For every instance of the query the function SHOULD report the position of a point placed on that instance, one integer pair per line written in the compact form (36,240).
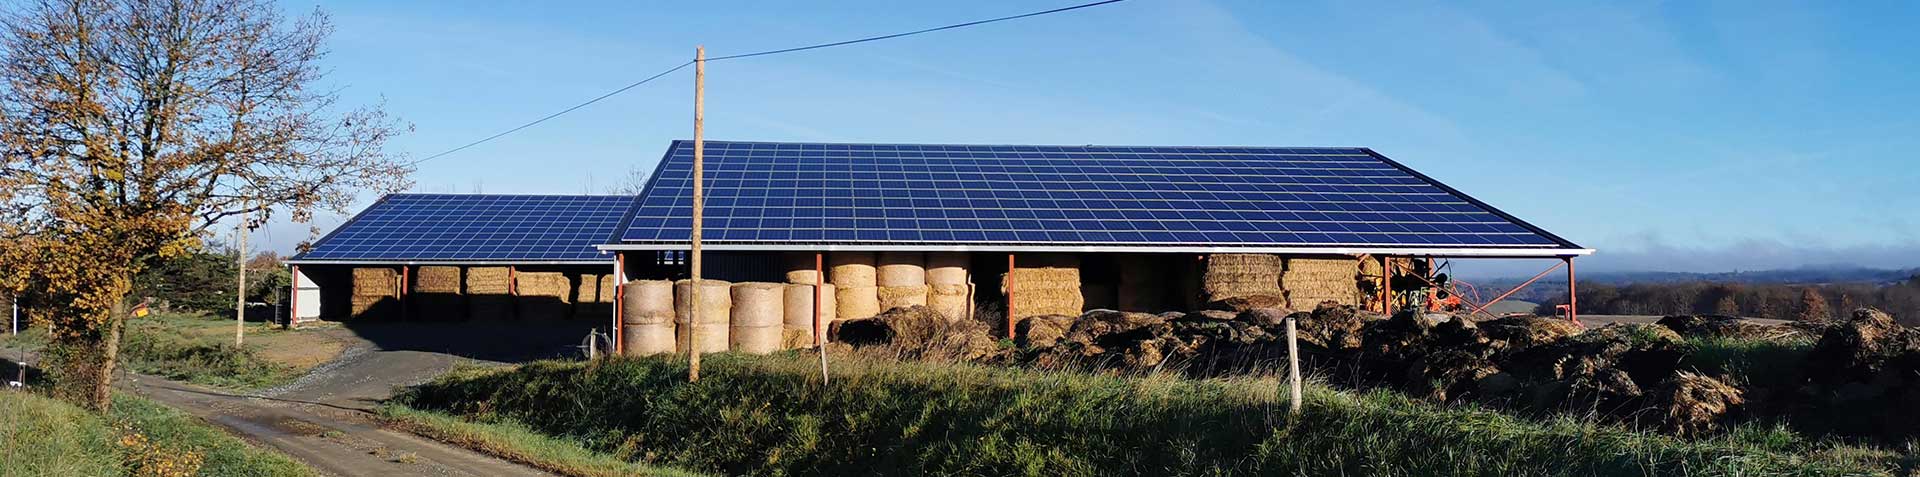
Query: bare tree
(131,127)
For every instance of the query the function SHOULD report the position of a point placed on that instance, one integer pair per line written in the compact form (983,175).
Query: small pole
(593,345)
(819,326)
(240,299)
(699,159)
(1573,299)
(1386,285)
(619,303)
(293,300)
(1293,366)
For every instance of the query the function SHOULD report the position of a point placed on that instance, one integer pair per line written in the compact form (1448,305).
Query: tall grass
(43,436)
(771,416)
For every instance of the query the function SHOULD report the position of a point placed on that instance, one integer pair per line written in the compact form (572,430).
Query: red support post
(819,286)
(1573,297)
(405,311)
(1009,286)
(1386,285)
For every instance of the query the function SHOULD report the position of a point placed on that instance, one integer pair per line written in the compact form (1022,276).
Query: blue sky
(1693,136)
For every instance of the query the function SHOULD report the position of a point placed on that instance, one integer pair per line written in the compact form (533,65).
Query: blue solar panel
(1053,195)
(477,227)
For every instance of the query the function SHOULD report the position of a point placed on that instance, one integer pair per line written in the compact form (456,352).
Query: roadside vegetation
(770,416)
(137,438)
(515,442)
(198,348)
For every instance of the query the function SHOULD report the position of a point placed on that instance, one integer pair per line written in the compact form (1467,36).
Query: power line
(624,89)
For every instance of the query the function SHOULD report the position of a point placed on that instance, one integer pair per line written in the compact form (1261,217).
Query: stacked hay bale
(1243,275)
(648,317)
(593,298)
(949,288)
(756,317)
(716,308)
(799,268)
(1051,288)
(489,293)
(376,294)
(544,296)
(902,277)
(856,286)
(799,331)
(1310,281)
(1143,285)
(436,294)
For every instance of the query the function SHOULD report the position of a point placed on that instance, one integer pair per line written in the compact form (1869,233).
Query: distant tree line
(1776,301)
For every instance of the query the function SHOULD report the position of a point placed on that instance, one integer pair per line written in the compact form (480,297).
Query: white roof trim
(607,262)
(1438,252)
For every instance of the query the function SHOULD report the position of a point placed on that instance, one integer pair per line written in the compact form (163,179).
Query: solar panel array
(477,227)
(788,193)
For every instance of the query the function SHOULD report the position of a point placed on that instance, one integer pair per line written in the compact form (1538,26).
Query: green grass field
(47,437)
(198,348)
(770,416)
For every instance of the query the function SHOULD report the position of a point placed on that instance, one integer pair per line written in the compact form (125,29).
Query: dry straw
(852,269)
(946,268)
(437,279)
(902,269)
(755,339)
(856,302)
(716,303)
(375,281)
(487,280)
(799,306)
(648,302)
(1044,291)
(1229,275)
(902,296)
(648,339)
(951,300)
(1310,281)
(553,285)
(757,305)
(799,267)
(713,338)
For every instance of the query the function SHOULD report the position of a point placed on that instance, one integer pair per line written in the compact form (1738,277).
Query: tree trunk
(101,397)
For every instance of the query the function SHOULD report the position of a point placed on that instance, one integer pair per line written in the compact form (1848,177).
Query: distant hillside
(1796,276)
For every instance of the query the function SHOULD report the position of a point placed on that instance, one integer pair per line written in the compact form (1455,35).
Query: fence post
(1293,366)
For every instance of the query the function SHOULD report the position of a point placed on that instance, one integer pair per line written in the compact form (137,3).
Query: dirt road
(323,420)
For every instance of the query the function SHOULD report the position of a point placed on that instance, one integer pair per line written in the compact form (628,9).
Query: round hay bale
(902,269)
(795,338)
(488,280)
(953,303)
(852,269)
(648,302)
(946,268)
(902,296)
(856,302)
(713,337)
(648,339)
(437,279)
(799,267)
(755,339)
(758,304)
(716,301)
(799,306)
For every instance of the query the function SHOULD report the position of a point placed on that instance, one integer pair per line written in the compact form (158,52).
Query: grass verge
(139,437)
(198,348)
(771,416)
(517,443)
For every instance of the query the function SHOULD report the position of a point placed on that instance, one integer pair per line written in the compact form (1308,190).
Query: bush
(770,415)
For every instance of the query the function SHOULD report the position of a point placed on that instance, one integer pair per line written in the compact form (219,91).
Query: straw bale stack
(759,311)
(437,279)
(488,280)
(435,294)
(902,296)
(544,296)
(648,302)
(588,290)
(902,269)
(946,268)
(953,300)
(855,302)
(375,293)
(799,268)
(799,308)
(1231,275)
(716,305)
(607,285)
(648,339)
(1310,281)
(1143,285)
(852,269)
(1044,291)
(588,303)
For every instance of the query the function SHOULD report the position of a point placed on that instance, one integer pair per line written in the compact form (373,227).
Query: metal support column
(1573,296)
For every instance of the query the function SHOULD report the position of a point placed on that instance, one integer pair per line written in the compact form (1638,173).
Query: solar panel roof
(476,228)
(763,195)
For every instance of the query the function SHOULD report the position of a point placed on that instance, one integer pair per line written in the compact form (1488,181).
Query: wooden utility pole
(240,299)
(1293,367)
(699,161)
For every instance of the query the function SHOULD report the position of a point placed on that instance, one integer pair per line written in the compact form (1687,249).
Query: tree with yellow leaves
(131,128)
